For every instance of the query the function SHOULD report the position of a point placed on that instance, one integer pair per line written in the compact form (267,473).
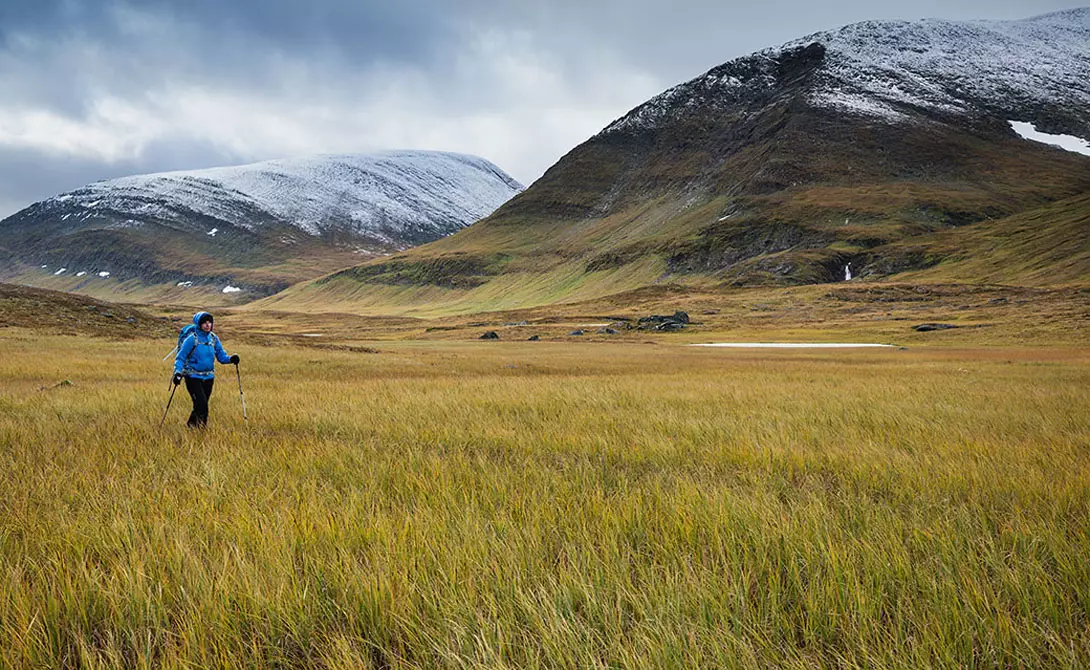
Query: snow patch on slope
(1065,142)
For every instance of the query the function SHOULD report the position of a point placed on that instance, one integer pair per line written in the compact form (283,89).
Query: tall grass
(546,505)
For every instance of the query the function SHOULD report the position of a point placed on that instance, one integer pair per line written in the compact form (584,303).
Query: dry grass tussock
(465,504)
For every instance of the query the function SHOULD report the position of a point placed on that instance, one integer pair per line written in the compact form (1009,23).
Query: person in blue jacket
(194,362)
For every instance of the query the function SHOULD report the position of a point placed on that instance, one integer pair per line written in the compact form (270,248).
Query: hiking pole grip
(240,395)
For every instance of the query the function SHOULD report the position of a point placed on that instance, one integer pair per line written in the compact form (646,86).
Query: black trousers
(200,390)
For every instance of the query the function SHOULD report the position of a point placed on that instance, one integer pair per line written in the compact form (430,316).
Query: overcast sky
(94,89)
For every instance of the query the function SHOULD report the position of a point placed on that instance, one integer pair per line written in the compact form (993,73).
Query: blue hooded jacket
(198,353)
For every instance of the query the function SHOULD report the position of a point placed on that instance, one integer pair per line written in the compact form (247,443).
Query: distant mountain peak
(258,220)
(893,69)
(373,196)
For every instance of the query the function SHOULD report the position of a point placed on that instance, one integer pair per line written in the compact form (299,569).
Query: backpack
(185,332)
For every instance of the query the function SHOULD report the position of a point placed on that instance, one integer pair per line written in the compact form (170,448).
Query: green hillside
(1042,247)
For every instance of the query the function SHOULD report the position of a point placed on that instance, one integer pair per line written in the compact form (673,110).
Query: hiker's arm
(221,355)
(183,353)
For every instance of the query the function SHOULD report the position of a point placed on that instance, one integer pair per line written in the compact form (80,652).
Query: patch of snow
(65,217)
(81,273)
(310,335)
(791,345)
(1066,142)
(848,272)
(103,274)
(44,266)
(59,271)
(231,289)
(92,204)
(212,233)
(185,284)
(859,104)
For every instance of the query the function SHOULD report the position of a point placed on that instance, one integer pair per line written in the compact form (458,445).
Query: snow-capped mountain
(840,154)
(895,69)
(257,215)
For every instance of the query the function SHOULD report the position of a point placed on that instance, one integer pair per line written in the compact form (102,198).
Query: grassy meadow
(551,504)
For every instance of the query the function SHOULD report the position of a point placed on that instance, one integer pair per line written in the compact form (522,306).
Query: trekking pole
(239,375)
(174,387)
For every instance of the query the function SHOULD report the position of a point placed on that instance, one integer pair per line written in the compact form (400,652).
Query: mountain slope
(258,226)
(1042,247)
(783,167)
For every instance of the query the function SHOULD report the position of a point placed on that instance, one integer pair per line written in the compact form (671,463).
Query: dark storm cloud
(403,30)
(407,30)
(668,37)
(33,176)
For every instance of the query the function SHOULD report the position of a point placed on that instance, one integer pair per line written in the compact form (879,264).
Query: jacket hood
(201,315)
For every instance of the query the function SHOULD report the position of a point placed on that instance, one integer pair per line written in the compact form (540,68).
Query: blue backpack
(185,332)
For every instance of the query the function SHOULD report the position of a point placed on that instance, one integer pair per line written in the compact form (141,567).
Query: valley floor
(425,499)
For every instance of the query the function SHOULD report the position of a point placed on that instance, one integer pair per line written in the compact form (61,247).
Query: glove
(234,358)
(177,378)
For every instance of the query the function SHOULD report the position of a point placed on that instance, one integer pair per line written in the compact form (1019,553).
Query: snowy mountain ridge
(884,69)
(249,228)
(374,196)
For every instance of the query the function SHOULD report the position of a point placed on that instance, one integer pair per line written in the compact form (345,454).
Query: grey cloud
(408,31)
(35,176)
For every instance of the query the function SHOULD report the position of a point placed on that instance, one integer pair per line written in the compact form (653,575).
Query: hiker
(194,362)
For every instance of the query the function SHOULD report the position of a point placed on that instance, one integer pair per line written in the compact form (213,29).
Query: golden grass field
(430,500)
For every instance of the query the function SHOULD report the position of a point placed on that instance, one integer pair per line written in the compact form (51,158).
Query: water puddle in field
(793,345)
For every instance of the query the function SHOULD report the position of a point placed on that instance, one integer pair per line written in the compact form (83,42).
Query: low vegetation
(815,236)
(631,503)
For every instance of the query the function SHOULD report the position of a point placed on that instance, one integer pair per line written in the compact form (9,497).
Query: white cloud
(113,130)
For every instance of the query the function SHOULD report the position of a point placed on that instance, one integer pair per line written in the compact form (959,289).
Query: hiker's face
(206,326)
